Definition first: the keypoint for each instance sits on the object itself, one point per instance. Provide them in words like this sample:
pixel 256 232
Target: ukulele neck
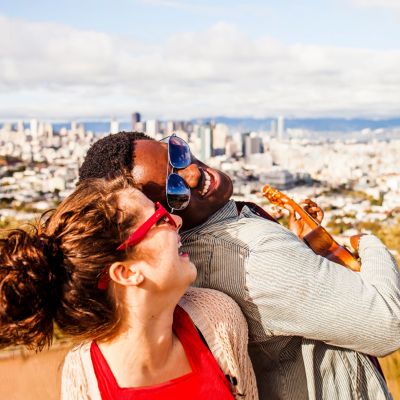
pixel 311 222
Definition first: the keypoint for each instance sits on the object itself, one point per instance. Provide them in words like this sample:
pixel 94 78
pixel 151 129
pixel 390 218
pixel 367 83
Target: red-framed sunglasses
pixel 137 236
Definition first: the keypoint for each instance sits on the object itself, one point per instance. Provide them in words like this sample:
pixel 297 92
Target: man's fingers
pixel 288 207
pixel 292 213
pixel 317 213
pixel 308 203
pixel 313 209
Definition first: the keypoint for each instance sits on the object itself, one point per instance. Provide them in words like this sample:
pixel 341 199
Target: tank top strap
pixel 188 335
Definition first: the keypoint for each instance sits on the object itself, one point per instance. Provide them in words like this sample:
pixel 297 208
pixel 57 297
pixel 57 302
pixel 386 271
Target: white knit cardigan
pixel 223 326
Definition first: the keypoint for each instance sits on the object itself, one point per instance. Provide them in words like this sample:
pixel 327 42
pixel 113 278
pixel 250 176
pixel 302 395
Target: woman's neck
pixel 145 351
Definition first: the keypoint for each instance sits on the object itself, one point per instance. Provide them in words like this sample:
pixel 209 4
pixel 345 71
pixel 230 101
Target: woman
pixel 106 268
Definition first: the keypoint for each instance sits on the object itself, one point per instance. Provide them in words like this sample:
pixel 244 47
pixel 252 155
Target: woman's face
pixel 162 263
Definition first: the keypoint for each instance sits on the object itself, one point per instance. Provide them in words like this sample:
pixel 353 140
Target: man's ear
pixel 126 273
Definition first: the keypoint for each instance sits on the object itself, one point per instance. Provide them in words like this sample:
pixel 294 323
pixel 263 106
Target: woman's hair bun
pixel 29 288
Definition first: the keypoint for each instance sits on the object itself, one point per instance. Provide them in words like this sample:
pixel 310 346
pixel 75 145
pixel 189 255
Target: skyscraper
pixel 219 134
pixel 34 128
pixel 152 127
pixel 252 144
pixel 136 118
pixel 281 127
pixel 114 126
pixel 203 133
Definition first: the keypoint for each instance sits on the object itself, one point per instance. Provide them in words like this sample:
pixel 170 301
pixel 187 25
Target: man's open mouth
pixel 206 183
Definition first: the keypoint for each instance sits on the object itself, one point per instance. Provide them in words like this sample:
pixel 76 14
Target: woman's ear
pixel 126 273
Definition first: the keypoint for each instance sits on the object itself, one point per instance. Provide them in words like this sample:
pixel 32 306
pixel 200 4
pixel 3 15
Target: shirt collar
pixel 229 210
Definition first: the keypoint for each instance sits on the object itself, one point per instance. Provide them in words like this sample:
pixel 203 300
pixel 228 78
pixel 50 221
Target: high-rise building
pixel 281 127
pixel 136 118
pixel 170 128
pixel 273 128
pixel 34 128
pixel 243 137
pixel 219 134
pixel 252 145
pixel 152 127
pixel 204 135
pixel 114 126
pixel 231 147
pixel 188 126
pixel 140 126
pixel 20 126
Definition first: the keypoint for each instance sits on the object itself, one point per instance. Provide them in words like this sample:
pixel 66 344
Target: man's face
pixel 150 172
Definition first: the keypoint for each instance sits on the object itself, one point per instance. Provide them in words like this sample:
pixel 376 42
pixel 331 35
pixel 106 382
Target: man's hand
pixel 296 223
pixel 355 241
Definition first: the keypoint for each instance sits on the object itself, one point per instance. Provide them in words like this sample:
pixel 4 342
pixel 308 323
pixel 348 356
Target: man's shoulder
pixel 248 233
pixel 248 225
pixel 227 228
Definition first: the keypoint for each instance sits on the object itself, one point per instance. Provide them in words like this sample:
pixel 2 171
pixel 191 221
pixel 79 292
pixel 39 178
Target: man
pixel 309 319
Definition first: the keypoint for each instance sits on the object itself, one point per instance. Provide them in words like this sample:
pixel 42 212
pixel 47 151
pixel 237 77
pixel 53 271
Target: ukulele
pixel 319 240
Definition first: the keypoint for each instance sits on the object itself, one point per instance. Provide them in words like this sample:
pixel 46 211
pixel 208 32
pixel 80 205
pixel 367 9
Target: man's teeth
pixel 206 183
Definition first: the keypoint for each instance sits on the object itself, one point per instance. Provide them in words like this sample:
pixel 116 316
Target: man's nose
pixel 191 175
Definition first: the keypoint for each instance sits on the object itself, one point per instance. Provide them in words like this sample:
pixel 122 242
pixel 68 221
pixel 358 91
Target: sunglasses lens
pixel 179 152
pixel 178 194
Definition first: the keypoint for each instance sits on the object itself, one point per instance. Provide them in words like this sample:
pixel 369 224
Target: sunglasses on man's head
pixel 137 236
pixel 179 157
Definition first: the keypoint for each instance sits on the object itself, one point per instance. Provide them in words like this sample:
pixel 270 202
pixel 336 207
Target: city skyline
pixel 184 59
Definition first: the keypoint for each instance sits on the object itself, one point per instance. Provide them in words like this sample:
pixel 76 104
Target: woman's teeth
pixel 206 183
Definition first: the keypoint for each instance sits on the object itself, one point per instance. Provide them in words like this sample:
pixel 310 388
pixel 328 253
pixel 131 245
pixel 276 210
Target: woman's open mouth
pixel 180 252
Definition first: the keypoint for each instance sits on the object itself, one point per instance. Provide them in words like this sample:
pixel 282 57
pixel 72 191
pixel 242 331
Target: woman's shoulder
pixel 75 359
pixel 78 379
pixel 77 351
pixel 212 311
pixel 207 298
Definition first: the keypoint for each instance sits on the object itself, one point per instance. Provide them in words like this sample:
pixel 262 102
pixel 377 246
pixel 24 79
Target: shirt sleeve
pixel 299 293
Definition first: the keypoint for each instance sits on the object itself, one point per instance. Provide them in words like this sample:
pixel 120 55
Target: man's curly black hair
pixel 111 156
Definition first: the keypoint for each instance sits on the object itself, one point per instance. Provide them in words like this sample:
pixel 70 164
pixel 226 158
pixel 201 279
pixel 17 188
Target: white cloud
pixel 54 71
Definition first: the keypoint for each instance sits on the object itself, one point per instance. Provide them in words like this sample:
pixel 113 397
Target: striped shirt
pixel 310 320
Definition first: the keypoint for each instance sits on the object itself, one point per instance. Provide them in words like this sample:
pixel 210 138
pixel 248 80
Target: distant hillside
pixel 314 124
pixel 249 124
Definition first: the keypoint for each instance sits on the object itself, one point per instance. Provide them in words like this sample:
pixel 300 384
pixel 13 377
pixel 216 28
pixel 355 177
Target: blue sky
pixel 330 22
pixel 180 58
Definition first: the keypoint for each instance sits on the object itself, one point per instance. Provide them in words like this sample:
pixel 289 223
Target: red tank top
pixel 205 381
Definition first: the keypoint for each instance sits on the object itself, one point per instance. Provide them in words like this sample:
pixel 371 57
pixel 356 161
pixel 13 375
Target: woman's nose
pixel 191 175
pixel 178 221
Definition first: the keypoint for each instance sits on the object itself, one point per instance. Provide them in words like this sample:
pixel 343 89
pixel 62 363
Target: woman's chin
pixel 191 276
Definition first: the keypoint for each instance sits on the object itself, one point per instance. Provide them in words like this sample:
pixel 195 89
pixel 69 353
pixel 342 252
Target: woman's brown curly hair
pixel 50 273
